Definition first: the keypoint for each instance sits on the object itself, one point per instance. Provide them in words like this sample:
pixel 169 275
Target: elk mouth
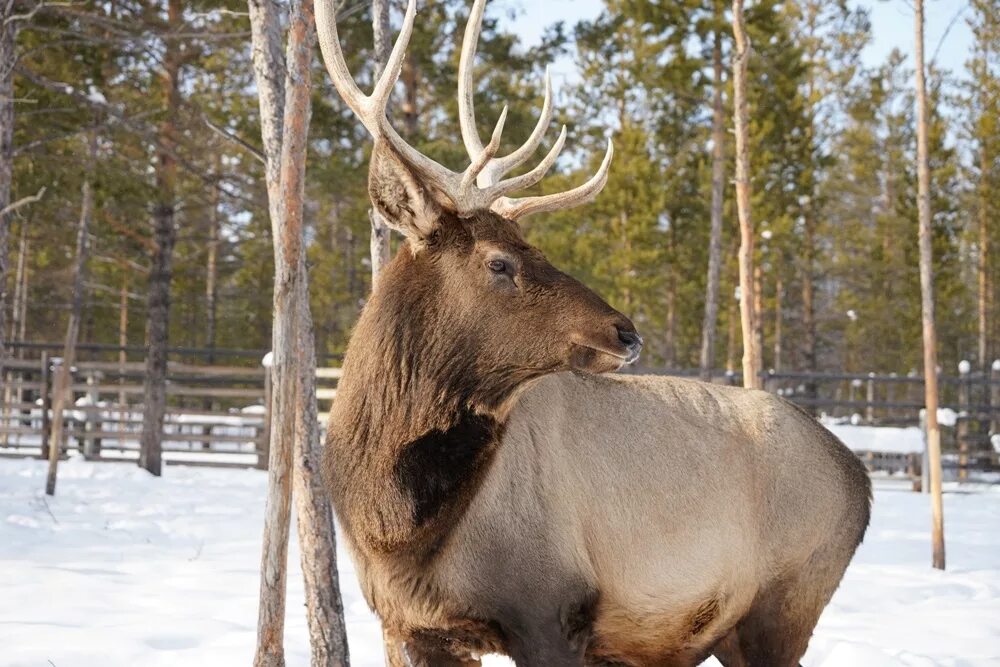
pixel 599 359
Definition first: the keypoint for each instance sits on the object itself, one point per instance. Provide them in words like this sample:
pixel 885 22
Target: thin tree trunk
pixel 927 299
pixel 269 72
pixel 409 106
pixel 61 392
pixel 748 316
pixel 8 39
pixel 164 238
pixel 15 306
pixel 778 290
pixel 758 309
pixel 294 440
pixel 732 321
pixel 379 246
pixel 982 266
pixel 710 321
pixel 122 354
pixel 212 275
pixel 12 390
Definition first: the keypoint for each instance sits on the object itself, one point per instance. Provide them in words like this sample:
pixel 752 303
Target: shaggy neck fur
pixel 417 416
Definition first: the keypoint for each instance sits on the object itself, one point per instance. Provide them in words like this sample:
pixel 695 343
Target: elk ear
pixel 405 204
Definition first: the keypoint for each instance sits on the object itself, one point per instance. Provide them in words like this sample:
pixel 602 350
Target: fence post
pixel 962 425
pixel 264 438
pixel 45 393
pixel 91 443
pixel 869 399
pixel 890 397
pixel 913 470
pixel 924 468
pixel 994 394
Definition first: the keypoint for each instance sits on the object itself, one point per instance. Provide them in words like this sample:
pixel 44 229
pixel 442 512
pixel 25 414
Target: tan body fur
pixel 674 503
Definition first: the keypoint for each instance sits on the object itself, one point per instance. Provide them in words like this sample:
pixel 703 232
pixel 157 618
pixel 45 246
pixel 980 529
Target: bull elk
pixel 499 495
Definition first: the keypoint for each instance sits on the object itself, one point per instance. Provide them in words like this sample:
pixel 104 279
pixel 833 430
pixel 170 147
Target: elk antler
pixel 481 185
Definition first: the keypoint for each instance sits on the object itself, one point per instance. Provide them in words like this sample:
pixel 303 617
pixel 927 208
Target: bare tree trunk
pixel 212 276
pixel 62 392
pixel 748 315
pixel 409 106
pixel 758 308
pixel 164 238
pixel 778 290
pixel 16 326
pixel 927 299
pixel 379 246
pixel 284 88
pixel 269 71
pixel 710 321
pixel 982 264
pixel 8 39
pixel 670 351
pixel 122 354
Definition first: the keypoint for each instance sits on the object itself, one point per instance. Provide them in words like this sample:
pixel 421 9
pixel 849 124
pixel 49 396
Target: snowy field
pixel 120 569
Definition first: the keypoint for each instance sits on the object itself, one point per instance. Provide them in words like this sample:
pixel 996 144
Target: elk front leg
pixel 414 653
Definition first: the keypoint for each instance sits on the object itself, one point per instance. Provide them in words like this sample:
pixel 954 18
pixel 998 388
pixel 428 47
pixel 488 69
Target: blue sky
pixel 892 26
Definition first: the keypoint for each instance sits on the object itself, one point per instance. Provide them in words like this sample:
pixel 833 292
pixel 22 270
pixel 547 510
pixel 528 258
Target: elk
pixel 500 492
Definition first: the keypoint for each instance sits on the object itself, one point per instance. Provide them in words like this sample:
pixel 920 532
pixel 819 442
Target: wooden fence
pixel 218 415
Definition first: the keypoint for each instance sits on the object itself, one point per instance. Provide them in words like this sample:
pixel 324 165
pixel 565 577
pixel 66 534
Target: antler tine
pixel 536 174
pixel 336 66
pixel 514 208
pixel 504 165
pixel 371 108
pixel 466 87
pixel 486 154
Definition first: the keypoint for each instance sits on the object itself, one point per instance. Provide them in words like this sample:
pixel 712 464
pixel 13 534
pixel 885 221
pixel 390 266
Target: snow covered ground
pixel 120 569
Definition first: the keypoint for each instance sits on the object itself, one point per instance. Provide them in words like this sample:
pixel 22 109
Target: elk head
pixel 470 289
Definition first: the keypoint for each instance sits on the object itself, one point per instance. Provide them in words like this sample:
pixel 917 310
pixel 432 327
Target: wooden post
pixel 931 395
pixel 748 314
pixel 962 426
pixel 913 471
pixel 264 437
pixel 870 399
pixel 92 444
pixel 61 387
pixel 994 396
pixel 46 396
pixel 890 397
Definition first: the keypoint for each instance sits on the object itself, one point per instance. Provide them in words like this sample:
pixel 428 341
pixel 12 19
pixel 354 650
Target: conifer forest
pixel 143 117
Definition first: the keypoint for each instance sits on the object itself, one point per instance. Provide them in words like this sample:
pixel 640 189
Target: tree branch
pixel 24 201
pixel 245 145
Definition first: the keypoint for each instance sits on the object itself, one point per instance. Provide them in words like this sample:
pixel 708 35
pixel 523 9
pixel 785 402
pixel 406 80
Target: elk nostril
pixel 629 339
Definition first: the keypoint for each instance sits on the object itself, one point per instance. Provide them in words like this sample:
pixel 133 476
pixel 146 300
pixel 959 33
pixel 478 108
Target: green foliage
pixel 832 153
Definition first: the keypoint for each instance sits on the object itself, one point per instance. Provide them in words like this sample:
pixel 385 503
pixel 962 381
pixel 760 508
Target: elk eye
pixel 497 265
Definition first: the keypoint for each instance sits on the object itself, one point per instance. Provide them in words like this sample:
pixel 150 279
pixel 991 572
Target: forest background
pixel 153 106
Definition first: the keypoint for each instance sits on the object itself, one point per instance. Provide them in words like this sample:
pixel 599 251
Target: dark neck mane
pixel 415 421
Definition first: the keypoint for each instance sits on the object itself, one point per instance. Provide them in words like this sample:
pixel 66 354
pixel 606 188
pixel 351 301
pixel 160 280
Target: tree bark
pixel 164 238
pixel 379 245
pixel 294 447
pixel 212 276
pixel 927 299
pixel 748 315
pixel 269 72
pixel 982 264
pixel 61 392
pixel 16 328
pixel 8 39
pixel 710 321
pixel 778 293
